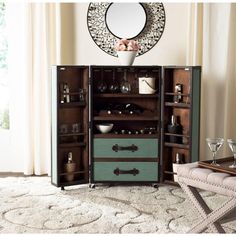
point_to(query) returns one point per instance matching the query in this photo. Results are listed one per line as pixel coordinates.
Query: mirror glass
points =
(125, 20)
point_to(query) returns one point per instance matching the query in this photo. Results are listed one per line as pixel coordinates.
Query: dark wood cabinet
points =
(181, 99)
(140, 147)
(130, 151)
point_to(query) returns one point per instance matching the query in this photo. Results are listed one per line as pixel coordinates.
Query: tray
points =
(224, 165)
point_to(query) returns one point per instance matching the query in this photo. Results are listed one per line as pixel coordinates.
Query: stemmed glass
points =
(214, 145)
(232, 145)
(102, 86)
(114, 87)
(125, 86)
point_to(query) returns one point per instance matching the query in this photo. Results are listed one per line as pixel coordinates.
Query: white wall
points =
(170, 50)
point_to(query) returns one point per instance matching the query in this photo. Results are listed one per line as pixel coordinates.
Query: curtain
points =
(212, 44)
(34, 31)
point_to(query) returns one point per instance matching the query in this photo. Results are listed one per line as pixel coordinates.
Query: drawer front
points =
(126, 171)
(125, 147)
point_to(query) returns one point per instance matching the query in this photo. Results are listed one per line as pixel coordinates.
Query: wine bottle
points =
(132, 108)
(178, 91)
(174, 128)
(178, 158)
(70, 159)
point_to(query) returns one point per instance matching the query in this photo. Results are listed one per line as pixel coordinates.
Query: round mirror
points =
(125, 20)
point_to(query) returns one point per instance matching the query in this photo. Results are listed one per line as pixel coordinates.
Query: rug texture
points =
(33, 205)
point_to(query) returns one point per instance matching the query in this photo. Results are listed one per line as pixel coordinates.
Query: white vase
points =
(126, 58)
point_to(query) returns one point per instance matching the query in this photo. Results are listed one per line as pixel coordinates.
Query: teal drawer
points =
(125, 147)
(126, 171)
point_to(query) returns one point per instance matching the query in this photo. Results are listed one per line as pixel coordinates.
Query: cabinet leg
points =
(92, 186)
(62, 188)
(155, 185)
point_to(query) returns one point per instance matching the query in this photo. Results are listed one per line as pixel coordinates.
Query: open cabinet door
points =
(70, 125)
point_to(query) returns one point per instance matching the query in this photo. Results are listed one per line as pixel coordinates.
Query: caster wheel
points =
(155, 185)
(62, 188)
(91, 185)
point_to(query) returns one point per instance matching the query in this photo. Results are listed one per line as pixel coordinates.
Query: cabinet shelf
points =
(75, 172)
(175, 94)
(69, 145)
(74, 182)
(176, 145)
(72, 104)
(71, 134)
(178, 105)
(169, 172)
(111, 135)
(126, 117)
(171, 182)
(123, 95)
(73, 93)
(178, 135)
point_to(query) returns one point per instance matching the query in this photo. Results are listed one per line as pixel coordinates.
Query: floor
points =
(33, 205)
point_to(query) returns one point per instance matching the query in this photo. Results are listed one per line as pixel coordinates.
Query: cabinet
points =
(140, 146)
(70, 118)
(181, 99)
(130, 151)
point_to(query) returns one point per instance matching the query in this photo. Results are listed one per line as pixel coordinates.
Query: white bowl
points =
(104, 128)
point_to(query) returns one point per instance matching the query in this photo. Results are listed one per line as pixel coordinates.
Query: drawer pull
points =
(117, 148)
(134, 172)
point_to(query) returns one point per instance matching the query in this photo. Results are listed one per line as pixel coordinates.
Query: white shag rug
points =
(33, 205)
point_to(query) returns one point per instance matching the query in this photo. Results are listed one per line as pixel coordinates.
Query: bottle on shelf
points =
(64, 90)
(178, 161)
(70, 167)
(178, 158)
(174, 128)
(178, 91)
(66, 93)
(124, 108)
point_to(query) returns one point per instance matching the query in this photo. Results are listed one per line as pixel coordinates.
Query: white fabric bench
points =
(191, 177)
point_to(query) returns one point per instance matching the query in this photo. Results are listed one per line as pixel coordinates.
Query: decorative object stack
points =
(126, 51)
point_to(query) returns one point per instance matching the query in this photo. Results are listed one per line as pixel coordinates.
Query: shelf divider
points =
(123, 95)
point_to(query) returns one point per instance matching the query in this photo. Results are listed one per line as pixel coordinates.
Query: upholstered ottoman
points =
(191, 177)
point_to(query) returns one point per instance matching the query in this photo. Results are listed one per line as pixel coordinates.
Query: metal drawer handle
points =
(117, 148)
(133, 172)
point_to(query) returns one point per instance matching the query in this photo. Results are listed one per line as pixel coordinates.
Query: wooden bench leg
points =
(203, 209)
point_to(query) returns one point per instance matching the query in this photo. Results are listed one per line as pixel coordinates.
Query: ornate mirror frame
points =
(105, 40)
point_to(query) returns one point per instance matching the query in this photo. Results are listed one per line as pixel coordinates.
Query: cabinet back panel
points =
(70, 115)
(177, 76)
(73, 76)
(118, 75)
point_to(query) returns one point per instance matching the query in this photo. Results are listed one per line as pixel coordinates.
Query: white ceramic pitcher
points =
(146, 85)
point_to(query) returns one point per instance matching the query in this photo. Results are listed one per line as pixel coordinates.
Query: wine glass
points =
(114, 87)
(102, 86)
(232, 145)
(125, 86)
(214, 145)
